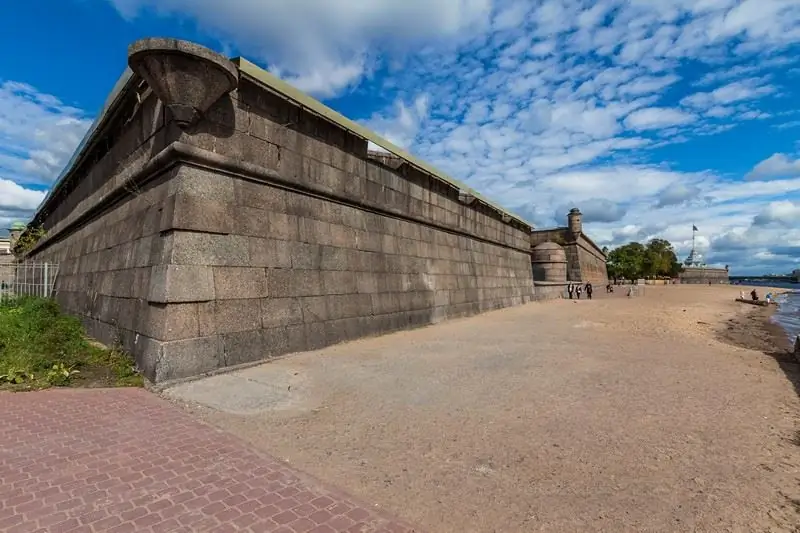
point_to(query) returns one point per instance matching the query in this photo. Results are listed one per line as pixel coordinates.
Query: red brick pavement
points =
(125, 460)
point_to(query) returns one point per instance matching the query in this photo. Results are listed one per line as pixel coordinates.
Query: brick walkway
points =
(125, 460)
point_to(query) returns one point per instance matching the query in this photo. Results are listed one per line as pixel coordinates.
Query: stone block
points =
(203, 183)
(261, 195)
(243, 347)
(296, 338)
(283, 283)
(305, 256)
(385, 303)
(315, 336)
(167, 322)
(196, 213)
(315, 308)
(348, 305)
(314, 231)
(366, 282)
(338, 282)
(271, 253)
(128, 312)
(290, 165)
(259, 152)
(239, 282)
(333, 258)
(229, 316)
(280, 312)
(191, 248)
(342, 330)
(189, 357)
(180, 283)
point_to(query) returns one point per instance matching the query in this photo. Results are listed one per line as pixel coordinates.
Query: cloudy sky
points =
(650, 116)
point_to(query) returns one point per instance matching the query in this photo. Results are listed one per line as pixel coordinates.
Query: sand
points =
(674, 411)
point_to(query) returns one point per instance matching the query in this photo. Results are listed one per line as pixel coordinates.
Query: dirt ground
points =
(642, 414)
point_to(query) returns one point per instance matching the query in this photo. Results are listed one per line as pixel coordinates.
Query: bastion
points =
(585, 261)
(215, 216)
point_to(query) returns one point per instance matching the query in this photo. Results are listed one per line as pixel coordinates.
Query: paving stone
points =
(114, 460)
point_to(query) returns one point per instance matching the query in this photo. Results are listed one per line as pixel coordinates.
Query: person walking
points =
(578, 291)
(589, 290)
(570, 290)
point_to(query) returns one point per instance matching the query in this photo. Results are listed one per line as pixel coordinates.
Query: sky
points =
(649, 116)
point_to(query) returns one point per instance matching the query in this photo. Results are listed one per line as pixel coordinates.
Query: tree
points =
(626, 261)
(635, 260)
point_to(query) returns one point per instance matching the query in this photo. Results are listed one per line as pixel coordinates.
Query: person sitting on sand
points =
(754, 295)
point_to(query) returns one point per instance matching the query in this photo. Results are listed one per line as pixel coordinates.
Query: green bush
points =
(40, 347)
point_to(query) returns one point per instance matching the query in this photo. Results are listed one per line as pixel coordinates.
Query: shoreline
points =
(753, 329)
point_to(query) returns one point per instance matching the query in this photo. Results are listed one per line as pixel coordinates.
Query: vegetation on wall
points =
(28, 240)
(635, 260)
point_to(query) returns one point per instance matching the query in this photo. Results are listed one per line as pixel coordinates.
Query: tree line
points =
(656, 259)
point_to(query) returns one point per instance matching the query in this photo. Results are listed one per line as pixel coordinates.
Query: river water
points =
(788, 314)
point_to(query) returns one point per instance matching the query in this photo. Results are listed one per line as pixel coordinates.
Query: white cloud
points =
(775, 166)
(785, 213)
(737, 91)
(404, 122)
(16, 203)
(38, 133)
(657, 118)
(322, 47)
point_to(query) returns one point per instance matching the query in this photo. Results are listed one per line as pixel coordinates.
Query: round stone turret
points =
(186, 77)
(549, 262)
(574, 222)
(14, 232)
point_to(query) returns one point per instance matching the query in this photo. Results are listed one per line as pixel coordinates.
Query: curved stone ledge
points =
(187, 77)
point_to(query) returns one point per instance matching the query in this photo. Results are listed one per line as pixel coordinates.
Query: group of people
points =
(754, 296)
(576, 290)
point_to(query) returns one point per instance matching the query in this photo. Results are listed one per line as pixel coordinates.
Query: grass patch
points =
(40, 347)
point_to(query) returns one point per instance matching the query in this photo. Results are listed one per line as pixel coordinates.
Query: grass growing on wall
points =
(41, 347)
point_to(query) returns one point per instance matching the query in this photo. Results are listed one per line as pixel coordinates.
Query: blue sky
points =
(649, 116)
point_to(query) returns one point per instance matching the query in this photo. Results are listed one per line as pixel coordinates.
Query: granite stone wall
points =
(585, 262)
(591, 262)
(694, 275)
(261, 230)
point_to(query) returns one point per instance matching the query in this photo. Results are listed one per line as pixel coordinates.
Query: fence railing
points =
(27, 278)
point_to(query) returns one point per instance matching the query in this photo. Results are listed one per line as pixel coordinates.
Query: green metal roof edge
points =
(292, 93)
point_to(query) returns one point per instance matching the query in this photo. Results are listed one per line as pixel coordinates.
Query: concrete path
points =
(123, 460)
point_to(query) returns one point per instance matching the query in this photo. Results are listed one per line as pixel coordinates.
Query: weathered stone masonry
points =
(586, 262)
(260, 228)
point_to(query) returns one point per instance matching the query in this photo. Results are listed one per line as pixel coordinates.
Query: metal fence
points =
(27, 278)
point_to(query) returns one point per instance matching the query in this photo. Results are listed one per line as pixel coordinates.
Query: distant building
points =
(586, 262)
(695, 270)
(7, 243)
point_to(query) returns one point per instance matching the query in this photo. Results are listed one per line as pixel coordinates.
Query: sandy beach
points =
(674, 411)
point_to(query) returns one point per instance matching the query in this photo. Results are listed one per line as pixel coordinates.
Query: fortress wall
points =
(264, 230)
(592, 263)
(703, 275)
